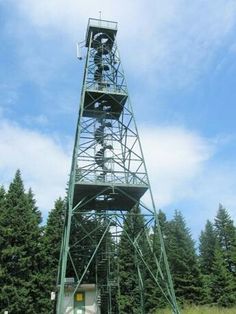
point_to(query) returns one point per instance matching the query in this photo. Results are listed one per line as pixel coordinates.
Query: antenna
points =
(79, 50)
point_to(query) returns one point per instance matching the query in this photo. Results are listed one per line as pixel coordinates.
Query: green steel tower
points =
(107, 181)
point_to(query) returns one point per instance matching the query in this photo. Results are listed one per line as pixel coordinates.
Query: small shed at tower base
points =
(83, 301)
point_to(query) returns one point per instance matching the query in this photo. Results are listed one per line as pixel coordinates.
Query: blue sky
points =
(180, 64)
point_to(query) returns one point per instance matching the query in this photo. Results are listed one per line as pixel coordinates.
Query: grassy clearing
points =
(201, 310)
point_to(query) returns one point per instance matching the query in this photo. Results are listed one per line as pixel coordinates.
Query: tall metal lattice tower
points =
(107, 181)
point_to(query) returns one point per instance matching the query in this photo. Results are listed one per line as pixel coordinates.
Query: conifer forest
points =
(204, 272)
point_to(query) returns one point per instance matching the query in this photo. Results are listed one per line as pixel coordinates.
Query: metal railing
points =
(115, 177)
(106, 86)
(102, 24)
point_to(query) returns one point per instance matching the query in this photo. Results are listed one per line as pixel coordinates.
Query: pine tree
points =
(20, 238)
(153, 296)
(129, 298)
(84, 241)
(51, 251)
(2, 206)
(2, 213)
(39, 278)
(183, 261)
(222, 284)
(2, 198)
(32, 204)
(207, 245)
(226, 237)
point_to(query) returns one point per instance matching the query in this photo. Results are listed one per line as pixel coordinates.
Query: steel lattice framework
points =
(108, 178)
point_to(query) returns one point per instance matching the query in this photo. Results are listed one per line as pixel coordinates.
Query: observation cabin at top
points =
(109, 172)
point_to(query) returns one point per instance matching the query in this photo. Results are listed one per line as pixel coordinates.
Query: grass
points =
(201, 310)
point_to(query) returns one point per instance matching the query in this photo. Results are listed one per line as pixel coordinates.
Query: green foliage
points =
(85, 235)
(217, 260)
(32, 204)
(207, 243)
(30, 256)
(206, 289)
(51, 252)
(222, 287)
(2, 198)
(200, 310)
(129, 298)
(52, 238)
(226, 236)
(154, 298)
(20, 251)
(183, 261)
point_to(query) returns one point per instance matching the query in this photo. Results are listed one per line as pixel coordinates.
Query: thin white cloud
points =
(175, 157)
(42, 160)
(179, 164)
(216, 185)
(184, 170)
(40, 120)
